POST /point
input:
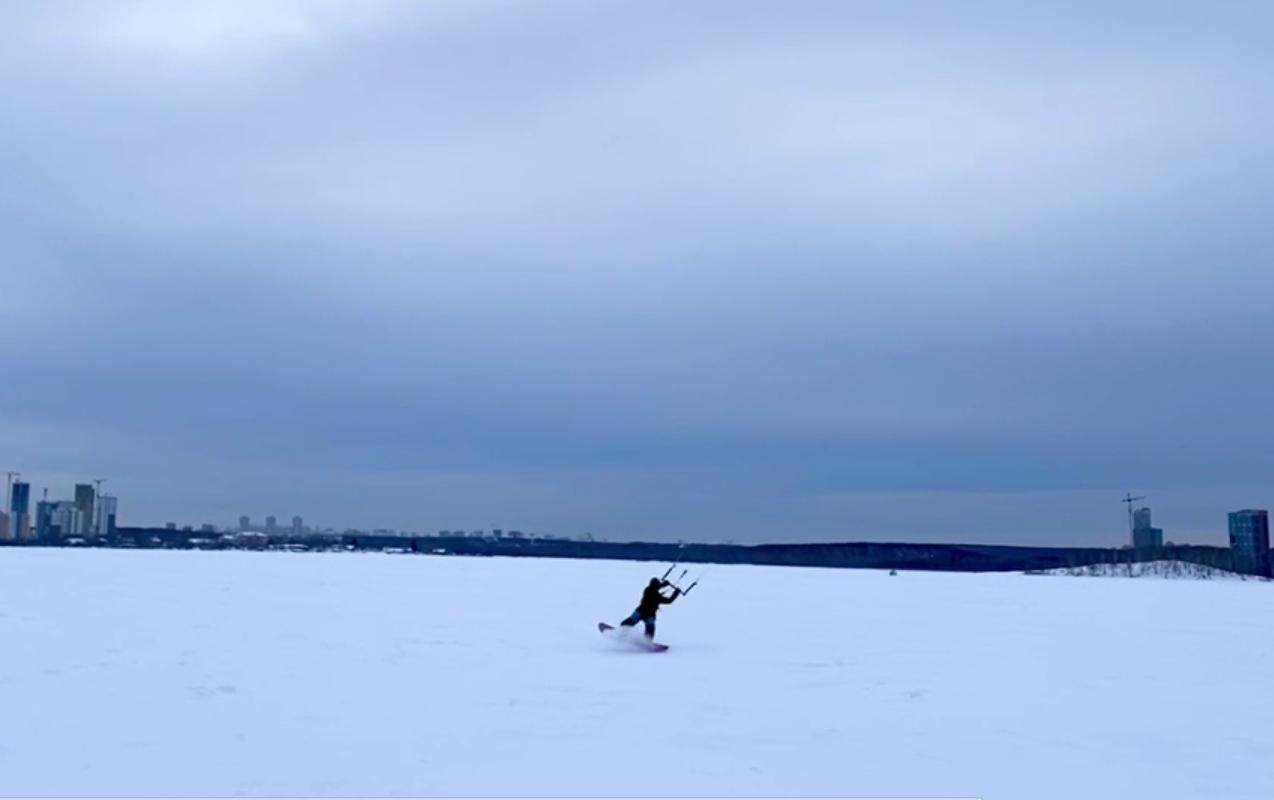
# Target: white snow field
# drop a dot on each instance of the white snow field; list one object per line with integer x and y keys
{"x": 234, "y": 673}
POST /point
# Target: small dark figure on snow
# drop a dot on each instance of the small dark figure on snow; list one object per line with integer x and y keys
{"x": 651, "y": 599}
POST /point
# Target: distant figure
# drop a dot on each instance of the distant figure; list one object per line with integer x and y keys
{"x": 651, "y": 599}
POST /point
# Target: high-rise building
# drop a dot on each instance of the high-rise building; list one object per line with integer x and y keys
{"x": 84, "y": 501}
{"x": 21, "y": 503}
{"x": 297, "y": 527}
{"x": 1147, "y": 538}
{"x": 271, "y": 525}
{"x": 20, "y": 509}
{"x": 44, "y": 519}
{"x": 1141, "y": 518}
{"x": 4, "y": 526}
{"x": 1250, "y": 540}
{"x": 245, "y": 522}
{"x": 1144, "y": 535}
{"x": 64, "y": 519}
{"x": 105, "y": 523}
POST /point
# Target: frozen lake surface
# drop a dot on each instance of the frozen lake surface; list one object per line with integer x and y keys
{"x": 224, "y": 673}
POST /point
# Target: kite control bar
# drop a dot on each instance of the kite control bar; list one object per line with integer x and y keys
{"x": 682, "y": 576}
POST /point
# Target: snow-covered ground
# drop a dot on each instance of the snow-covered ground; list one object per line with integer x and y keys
{"x": 189, "y": 673}
{"x": 1152, "y": 569}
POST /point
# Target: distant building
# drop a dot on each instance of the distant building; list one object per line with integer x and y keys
{"x": 271, "y": 525}
{"x": 1141, "y": 518}
{"x": 245, "y": 523}
{"x": 106, "y": 505}
{"x": 64, "y": 519}
{"x": 1250, "y": 540}
{"x": 4, "y": 526}
{"x": 84, "y": 502}
{"x": 172, "y": 526}
{"x": 297, "y": 527}
{"x": 207, "y": 527}
{"x": 1145, "y": 536}
{"x": 20, "y": 511}
{"x": 44, "y": 519}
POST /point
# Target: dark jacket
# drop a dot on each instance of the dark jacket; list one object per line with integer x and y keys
{"x": 652, "y": 599}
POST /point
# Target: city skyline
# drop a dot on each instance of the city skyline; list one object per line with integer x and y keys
{"x": 87, "y": 512}
{"x": 921, "y": 272}
{"x": 91, "y": 511}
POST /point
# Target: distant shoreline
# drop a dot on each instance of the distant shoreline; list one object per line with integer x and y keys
{"x": 856, "y": 555}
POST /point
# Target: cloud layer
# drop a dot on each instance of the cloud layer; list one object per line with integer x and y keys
{"x": 923, "y": 271}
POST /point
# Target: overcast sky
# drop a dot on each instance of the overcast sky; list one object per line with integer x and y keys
{"x": 718, "y": 270}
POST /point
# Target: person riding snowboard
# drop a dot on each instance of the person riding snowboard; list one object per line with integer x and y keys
{"x": 651, "y": 599}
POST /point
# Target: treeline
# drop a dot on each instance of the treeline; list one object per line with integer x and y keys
{"x": 861, "y": 555}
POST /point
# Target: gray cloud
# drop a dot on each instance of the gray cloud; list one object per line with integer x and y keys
{"x": 918, "y": 271}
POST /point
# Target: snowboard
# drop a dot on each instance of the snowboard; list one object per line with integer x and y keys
{"x": 635, "y": 641}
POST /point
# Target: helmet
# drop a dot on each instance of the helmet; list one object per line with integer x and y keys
{"x": 654, "y": 581}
